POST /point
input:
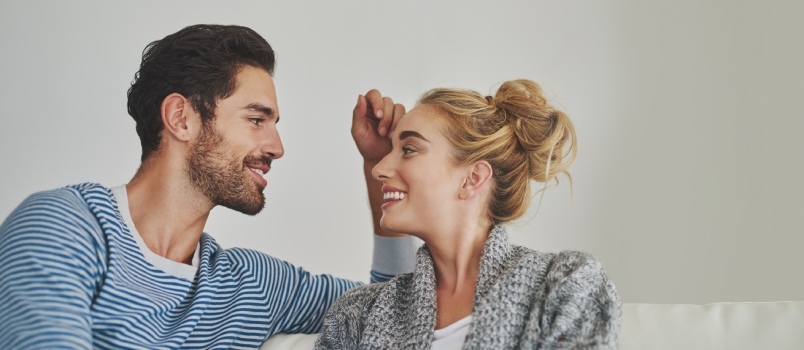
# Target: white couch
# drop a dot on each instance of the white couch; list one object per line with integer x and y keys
{"x": 732, "y": 326}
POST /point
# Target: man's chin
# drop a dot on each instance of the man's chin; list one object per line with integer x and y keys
{"x": 247, "y": 207}
{"x": 251, "y": 211}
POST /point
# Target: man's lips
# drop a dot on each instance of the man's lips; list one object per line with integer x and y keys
{"x": 259, "y": 171}
{"x": 262, "y": 169}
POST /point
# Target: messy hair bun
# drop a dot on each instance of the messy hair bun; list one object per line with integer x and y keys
{"x": 517, "y": 131}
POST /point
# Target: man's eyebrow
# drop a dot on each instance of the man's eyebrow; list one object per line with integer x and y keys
{"x": 268, "y": 111}
{"x": 405, "y": 134}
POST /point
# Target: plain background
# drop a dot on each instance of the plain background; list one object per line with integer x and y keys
{"x": 687, "y": 185}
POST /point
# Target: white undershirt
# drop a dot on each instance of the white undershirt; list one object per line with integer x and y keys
{"x": 168, "y": 266}
{"x": 452, "y": 337}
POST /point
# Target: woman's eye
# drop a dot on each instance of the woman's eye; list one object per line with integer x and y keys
{"x": 407, "y": 150}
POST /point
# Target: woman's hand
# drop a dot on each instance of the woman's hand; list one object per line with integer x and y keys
{"x": 373, "y": 120}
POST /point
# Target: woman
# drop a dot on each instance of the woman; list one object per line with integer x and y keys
{"x": 459, "y": 168}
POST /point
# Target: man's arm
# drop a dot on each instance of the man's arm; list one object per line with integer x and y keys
{"x": 392, "y": 256}
{"x": 373, "y": 120}
{"x": 48, "y": 273}
{"x": 295, "y": 299}
{"x": 301, "y": 301}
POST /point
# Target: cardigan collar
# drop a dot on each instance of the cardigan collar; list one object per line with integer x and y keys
{"x": 492, "y": 260}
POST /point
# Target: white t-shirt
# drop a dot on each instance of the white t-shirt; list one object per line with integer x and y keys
{"x": 167, "y": 266}
{"x": 453, "y": 336}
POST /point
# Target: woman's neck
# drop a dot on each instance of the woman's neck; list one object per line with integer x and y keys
{"x": 456, "y": 258}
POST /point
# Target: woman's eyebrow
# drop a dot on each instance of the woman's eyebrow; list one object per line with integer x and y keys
{"x": 405, "y": 134}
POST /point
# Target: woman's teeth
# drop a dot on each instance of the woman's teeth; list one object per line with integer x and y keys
{"x": 393, "y": 195}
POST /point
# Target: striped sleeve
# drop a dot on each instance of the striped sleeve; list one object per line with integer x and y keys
{"x": 49, "y": 259}
{"x": 392, "y": 256}
{"x": 296, "y": 299}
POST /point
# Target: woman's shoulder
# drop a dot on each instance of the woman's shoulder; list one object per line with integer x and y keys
{"x": 564, "y": 273}
{"x": 569, "y": 262}
{"x": 565, "y": 263}
{"x": 573, "y": 295}
{"x": 574, "y": 276}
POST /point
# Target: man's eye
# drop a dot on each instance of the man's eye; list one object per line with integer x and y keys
{"x": 256, "y": 121}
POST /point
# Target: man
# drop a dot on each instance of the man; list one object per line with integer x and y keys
{"x": 130, "y": 267}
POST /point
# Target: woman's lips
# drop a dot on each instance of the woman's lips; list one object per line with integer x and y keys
{"x": 392, "y": 195}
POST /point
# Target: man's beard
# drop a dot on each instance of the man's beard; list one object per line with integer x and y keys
{"x": 222, "y": 177}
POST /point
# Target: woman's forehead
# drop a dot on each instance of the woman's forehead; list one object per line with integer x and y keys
{"x": 421, "y": 116}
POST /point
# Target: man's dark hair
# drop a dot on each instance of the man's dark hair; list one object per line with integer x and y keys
{"x": 199, "y": 62}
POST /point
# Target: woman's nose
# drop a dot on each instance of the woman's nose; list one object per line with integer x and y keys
{"x": 382, "y": 170}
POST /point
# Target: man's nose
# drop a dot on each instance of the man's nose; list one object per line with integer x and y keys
{"x": 272, "y": 145}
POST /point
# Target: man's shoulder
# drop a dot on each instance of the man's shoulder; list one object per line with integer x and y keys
{"x": 71, "y": 199}
{"x": 77, "y": 195}
{"x": 63, "y": 211}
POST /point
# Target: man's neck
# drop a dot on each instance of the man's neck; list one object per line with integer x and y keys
{"x": 167, "y": 210}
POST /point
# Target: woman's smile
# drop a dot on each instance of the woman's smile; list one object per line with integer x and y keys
{"x": 392, "y": 195}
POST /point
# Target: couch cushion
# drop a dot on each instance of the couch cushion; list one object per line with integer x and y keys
{"x": 290, "y": 342}
{"x": 732, "y": 326}
{"x": 727, "y": 326}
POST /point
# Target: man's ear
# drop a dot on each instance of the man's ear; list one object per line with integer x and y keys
{"x": 175, "y": 110}
{"x": 477, "y": 176}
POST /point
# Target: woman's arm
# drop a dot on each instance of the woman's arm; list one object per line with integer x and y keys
{"x": 582, "y": 309}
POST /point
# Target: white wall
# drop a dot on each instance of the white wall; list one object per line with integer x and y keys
{"x": 689, "y": 116}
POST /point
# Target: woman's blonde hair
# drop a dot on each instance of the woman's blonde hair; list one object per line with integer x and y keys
{"x": 521, "y": 136}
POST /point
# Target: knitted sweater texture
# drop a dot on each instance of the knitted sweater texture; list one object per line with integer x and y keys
{"x": 524, "y": 299}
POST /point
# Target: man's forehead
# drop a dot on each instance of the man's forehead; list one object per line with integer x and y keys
{"x": 255, "y": 89}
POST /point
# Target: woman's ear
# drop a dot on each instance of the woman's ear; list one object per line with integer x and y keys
{"x": 478, "y": 175}
{"x": 175, "y": 109}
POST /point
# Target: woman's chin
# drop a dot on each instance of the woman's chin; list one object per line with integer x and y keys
{"x": 391, "y": 226}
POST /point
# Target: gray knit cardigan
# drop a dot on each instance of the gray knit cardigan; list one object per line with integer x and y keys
{"x": 524, "y": 300}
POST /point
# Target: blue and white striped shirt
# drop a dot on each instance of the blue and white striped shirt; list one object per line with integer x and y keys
{"x": 73, "y": 276}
